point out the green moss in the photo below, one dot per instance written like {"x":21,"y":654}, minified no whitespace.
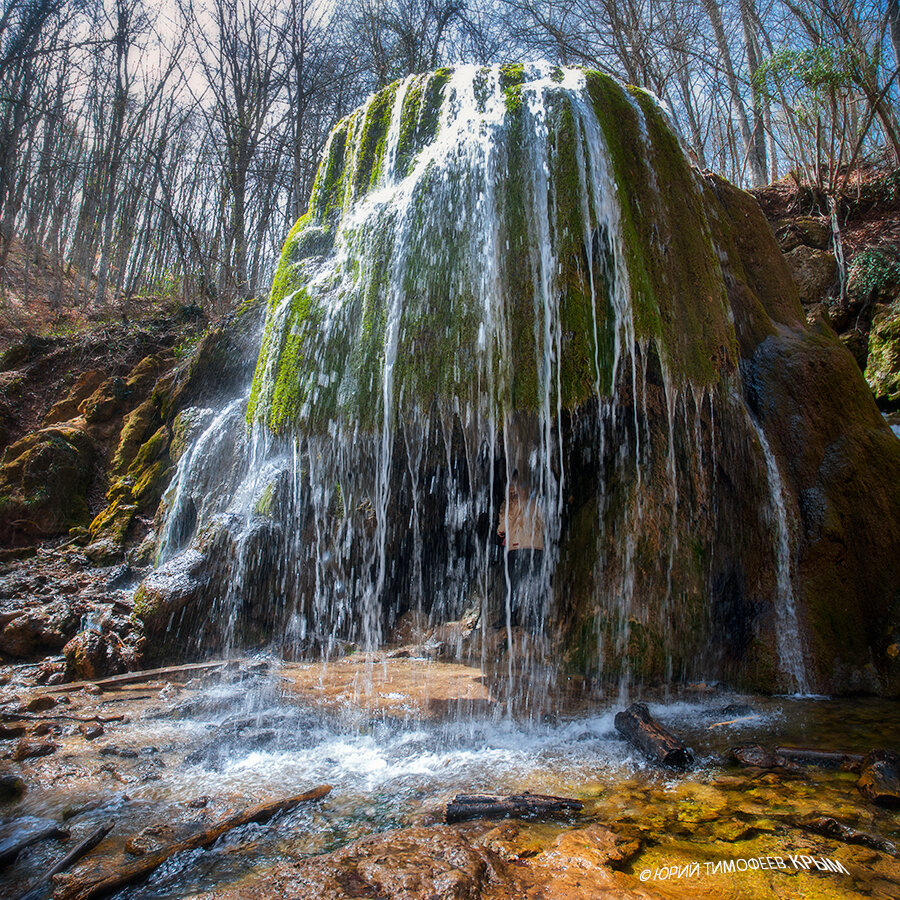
{"x":511,"y":74}
{"x":439,"y":321}
{"x":883,"y":366}
{"x":150,"y":450}
{"x":369,"y":157}
{"x":677,"y":291}
{"x":113,"y":522}
{"x":328,"y":189}
{"x":151,"y":485}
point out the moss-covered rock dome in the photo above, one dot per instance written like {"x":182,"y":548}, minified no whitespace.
{"x":513,"y":275}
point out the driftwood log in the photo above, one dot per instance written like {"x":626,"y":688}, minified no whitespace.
{"x":829,"y":827}
{"x":879,"y":777}
{"x":67,"y":861}
{"x":53,"y":717}
{"x":100,"y":885}
{"x":9,"y":850}
{"x":115,"y":681}
{"x":489,"y":806}
{"x":655,"y":742}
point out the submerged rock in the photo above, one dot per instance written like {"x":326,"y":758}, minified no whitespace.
{"x":474,"y":863}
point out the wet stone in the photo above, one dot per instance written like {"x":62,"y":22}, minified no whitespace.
{"x":41,"y":703}
{"x":33,"y":749}
{"x":91,"y":730}
{"x":12,"y":787}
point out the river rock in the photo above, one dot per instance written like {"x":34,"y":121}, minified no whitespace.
{"x":813,"y":271}
{"x":26,"y":749}
{"x":37,"y":629}
{"x":90,"y":731}
{"x":456,"y":863}
{"x":168,"y":597}
{"x":879,"y":778}
{"x":12,"y":787}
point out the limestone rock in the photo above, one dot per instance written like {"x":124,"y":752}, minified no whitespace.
{"x":185,"y":427}
{"x":92,"y":654}
{"x":35,"y":631}
{"x":67,"y":408}
{"x":813,"y":270}
{"x":804,"y":231}
{"x":169,"y":599}
{"x":106,"y":401}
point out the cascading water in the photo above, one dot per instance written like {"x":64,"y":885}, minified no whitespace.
{"x":506,"y":275}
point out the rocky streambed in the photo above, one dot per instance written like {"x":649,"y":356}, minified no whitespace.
{"x":161,"y":758}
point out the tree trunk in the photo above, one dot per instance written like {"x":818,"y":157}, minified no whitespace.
{"x":757,"y":176}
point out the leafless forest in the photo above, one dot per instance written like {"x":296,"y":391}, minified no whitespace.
{"x":155,"y":149}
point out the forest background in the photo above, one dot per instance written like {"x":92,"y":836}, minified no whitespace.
{"x":158,"y":153}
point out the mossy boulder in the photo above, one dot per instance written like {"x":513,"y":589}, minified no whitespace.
{"x":883,"y":363}
{"x":804,"y":231}
{"x":107,"y":401}
{"x":431,"y":251}
{"x":813,"y":270}
{"x":44,"y":482}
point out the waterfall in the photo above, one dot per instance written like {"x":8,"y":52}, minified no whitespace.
{"x":787,"y":632}
{"x":506,"y":278}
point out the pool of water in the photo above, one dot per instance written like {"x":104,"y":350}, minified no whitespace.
{"x":190,"y":755}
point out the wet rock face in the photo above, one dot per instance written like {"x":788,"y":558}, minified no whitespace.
{"x":171,"y":594}
{"x":622,"y":332}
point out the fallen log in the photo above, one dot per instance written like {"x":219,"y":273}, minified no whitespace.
{"x":655,"y":742}
{"x":824,"y":759}
{"x":115,"y":681}
{"x":100,"y":885}
{"x":77,"y":852}
{"x":52,"y":717}
{"x":879,"y":777}
{"x":829,"y":827}
{"x":521,"y":806}
{"x":9,"y":850}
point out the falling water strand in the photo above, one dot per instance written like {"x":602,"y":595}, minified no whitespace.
{"x":787,"y":626}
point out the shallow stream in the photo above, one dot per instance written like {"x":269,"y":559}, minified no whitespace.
{"x":187,"y":755}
